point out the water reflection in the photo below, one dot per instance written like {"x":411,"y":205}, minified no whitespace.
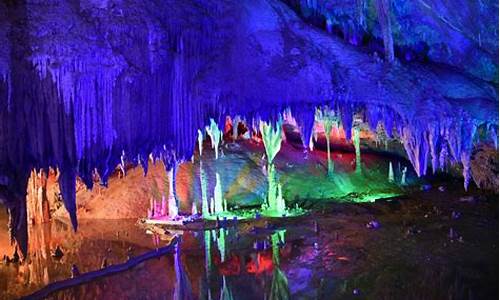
{"x":182,"y":290}
{"x":214,"y":264}
{"x":244,"y":272}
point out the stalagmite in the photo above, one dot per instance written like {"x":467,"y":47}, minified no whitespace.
{"x":164,"y":205}
{"x":280,"y":201}
{"x":205,"y":206}
{"x":38,"y":203}
{"x":173,"y":210}
{"x":329,"y":121}
{"x":272,"y":144}
{"x":215,"y":136}
{"x":218,"y":197}
{"x":194,"y":209}
{"x":200,"y":143}
{"x":357,"y":149}
{"x":151,"y":210}
{"x":391,"y":172}
{"x":403,"y":176}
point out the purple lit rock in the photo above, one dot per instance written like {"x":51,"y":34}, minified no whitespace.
{"x":84,"y":82}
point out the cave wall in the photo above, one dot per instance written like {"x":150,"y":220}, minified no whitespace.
{"x":86,"y":85}
{"x":462,"y":34}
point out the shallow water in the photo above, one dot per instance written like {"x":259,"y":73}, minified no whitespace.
{"x":410,"y":256}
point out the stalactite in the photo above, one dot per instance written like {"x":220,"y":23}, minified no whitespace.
{"x":432,"y":140}
{"x":383,"y":8}
{"x":236,"y":121}
{"x":346,"y":112}
{"x":361,"y":6}
{"x":67,"y":184}
{"x":305,"y":119}
{"x":493,"y":134}
{"x":142,"y":159}
{"x":416,"y":148}
{"x":14,"y":198}
{"x":468,"y":132}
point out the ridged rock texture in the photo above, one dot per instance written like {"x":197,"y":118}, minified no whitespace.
{"x":460,"y":33}
{"x":86,"y":84}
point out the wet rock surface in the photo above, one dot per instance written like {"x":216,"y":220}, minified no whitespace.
{"x":484,"y":167}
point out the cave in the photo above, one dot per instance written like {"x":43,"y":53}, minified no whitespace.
{"x":249,"y":149}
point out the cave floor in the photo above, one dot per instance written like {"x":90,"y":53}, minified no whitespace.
{"x":418,"y":251}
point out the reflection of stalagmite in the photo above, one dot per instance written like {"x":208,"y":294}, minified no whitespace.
{"x":225,"y":293}
{"x":208,"y":260}
{"x":182,"y":289}
{"x":279,"y":284}
{"x":208,"y":255}
{"x":78,"y":279}
{"x":221,"y":244}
